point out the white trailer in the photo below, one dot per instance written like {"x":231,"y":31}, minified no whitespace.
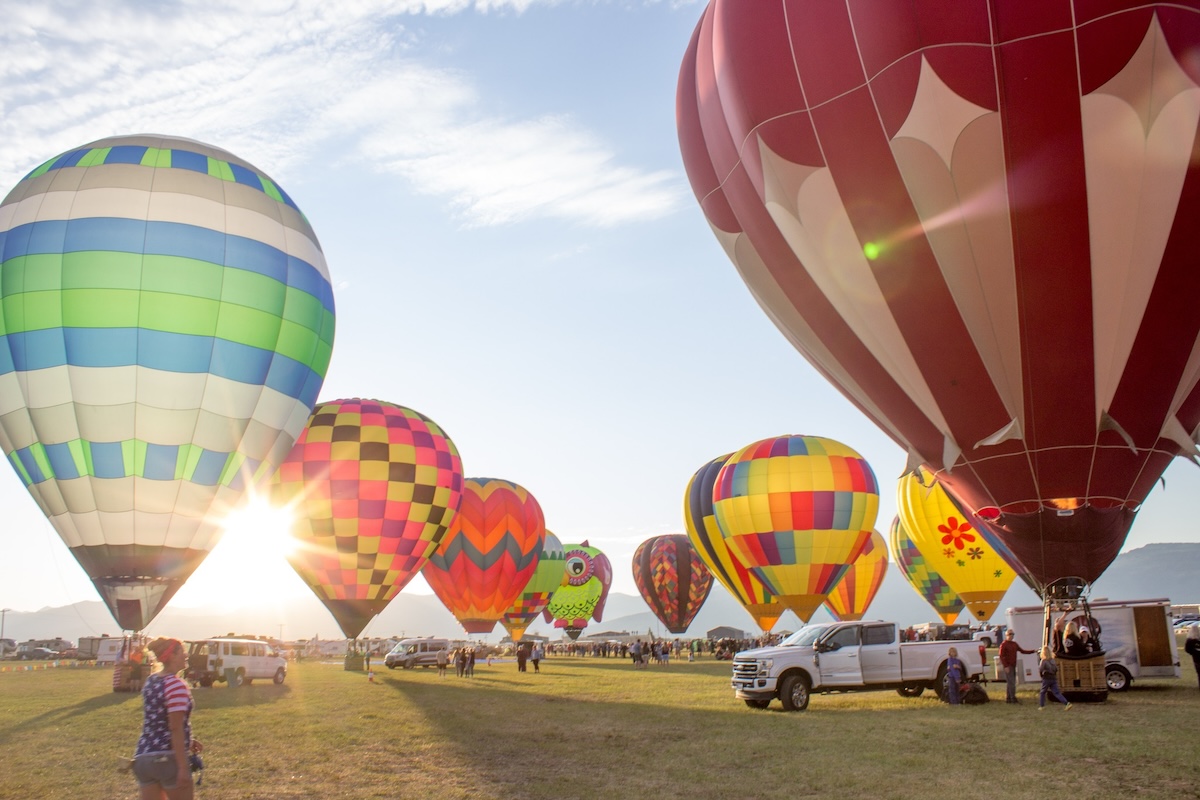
{"x":1136,"y":637}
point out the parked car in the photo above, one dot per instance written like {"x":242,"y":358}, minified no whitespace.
{"x":37,"y":654}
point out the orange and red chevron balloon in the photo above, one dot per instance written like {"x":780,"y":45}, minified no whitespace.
{"x":796,"y":510}
{"x":489,"y":554}
{"x":851,"y":598}
{"x":671,"y":579}
{"x":374,"y":487}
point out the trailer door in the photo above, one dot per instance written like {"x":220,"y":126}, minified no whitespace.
{"x":1154,"y":647}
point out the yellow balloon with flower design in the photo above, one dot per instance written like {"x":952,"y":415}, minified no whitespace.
{"x":965,"y":554}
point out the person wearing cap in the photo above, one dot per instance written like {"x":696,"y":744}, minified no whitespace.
{"x":161,"y":762}
{"x":1008,"y":659}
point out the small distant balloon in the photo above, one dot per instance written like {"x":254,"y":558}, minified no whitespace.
{"x":854,"y":593}
{"x":671,"y":579}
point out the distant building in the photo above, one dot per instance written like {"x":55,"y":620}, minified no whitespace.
{"x":726,"y":632}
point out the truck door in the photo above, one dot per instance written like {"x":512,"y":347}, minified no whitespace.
{"x":879,"y":657}
{"x":839,"y":658}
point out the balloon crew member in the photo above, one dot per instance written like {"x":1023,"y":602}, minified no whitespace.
{"x":162,"y":762}
{"x":1008,"y":659}
{"x":955,"y":672}
{"x":1192,"y":647}
{"x":1048,"y":670}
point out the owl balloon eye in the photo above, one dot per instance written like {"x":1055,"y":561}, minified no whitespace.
{"x":579,"y":568}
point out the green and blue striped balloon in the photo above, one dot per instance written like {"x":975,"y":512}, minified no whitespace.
{"x":166,"y":322}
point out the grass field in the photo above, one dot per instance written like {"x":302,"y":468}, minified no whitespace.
{"x":588,"y":728}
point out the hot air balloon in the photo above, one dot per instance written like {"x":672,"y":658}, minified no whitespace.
{"x":921,"y":576}
{"x":166,"y":321}
{"x":489,"y":554}
{"x":701,"y":523}
{"x":954,"y":542}
{"x":796,"y":510}
{"x":373,"y":487}
{"x":979,"y":226}
{"x":583,"y":590}
{"x":533,"y":598}
{"x":672,"y":579}
{"x":853,"y":594}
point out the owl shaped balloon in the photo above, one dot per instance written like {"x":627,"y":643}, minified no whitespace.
{"x":584,"y":589}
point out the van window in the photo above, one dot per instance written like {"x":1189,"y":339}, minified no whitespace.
{"x":240,"y":648}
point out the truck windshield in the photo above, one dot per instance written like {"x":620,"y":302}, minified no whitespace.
{"x":804,"y":637}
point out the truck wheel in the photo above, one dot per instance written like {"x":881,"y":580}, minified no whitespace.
{"x":280,"y":674}
{"x":912,"y":690}
{"x":759,"y":704}
{"x":942,"y":685}
{"x":794,"y":693}
{"x":986,"y":641}
{"x":1117,"y":678}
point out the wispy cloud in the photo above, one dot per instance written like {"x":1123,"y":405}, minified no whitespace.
{"x":284,"y":82}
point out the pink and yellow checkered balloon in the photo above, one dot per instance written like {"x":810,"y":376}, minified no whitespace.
{"x":797,"y":510}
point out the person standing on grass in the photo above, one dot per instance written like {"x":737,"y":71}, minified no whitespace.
{"x":161,"y":762}
{"x":536,"y":655}
{"x":955,"y":671}
{"x":1008,"y":659}
{"x":1192,"y":647}
{"x":1048,"y":669}
{"x":441,"y":662}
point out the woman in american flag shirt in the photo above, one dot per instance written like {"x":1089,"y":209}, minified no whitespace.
{"x":161,"y":762}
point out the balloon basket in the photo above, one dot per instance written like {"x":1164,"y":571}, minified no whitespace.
{"x":354,"y":662}
{"x":1083,"y":679}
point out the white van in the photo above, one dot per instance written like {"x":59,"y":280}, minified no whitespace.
{"x":236,"y":661}
{"x":411,"y":653}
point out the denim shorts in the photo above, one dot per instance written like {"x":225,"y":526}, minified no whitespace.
{"x":155,"y":768}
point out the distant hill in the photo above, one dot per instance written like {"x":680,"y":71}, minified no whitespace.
{"x":1156,"y":570}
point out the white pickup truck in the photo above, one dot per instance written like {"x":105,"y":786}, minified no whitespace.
{"x":845,"y":657}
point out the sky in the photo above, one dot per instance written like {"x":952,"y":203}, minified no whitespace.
{"x":513,"y":244}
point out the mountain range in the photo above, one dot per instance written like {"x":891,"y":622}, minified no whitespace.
{"x":1156,"y":570}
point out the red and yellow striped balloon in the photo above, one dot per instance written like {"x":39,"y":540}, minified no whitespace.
{"x":851,"y":598}
{"x":797,"y":510}
{"x":373,"y":486}
{"x":489,"y":554}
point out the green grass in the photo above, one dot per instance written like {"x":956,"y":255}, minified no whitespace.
{"x":596,"y":728}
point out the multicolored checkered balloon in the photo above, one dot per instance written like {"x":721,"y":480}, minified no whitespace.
{"x":672,"y":579}
{"x":374,"y":487}
{"x":924,"y":579}
{"x":701,"y":523}
{"x":796,"y":510}
{"x":166,"y":321}
{"x":489,"y":554}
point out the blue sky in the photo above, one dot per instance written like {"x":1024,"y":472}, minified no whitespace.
{"x":514,"y":248}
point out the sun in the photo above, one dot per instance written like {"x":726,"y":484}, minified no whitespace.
{"x":251,"y":556}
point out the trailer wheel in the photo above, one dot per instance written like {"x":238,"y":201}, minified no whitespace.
{"x":794,"y":692}
{"x":1117,"y":678}
{"x":912,"y":690}
{"x":759,"y":704}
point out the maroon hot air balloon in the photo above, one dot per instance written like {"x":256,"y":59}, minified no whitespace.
{"x":977,"y":219}
{"x":672,"y":579}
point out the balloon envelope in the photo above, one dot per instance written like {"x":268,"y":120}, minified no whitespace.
{"x":166,"y":321}
{"x":671,"y":579}
{"x":489,"y":554}
{"x":373,"y":487}
{"x":705,"y":535}
{"x":921,"y":576}
{"x":583,"y":590}
{"x":853,"y":594}
{"x":533,"y":598}
{"x":797,"y":510}
{"x":979,"y":226}
{"x":954,"y":542}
